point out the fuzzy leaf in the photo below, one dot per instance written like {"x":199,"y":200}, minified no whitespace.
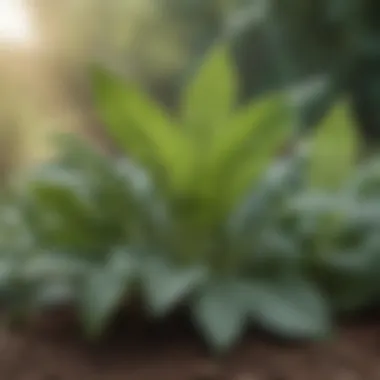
{"x":221,"y":313}
{"x":113,"y":199}
{"x":151,"y":207}
{"x":53,"y":266}
{"x":353,"y":275}
{"x":210,"y":96}
{"x":62,"y":190}
{"x":334,"y":149}
{"x":292,"y":308}
{"x":166,"y":285}
{"x":60,"y":208}
{"x":103,"y":290}
{"x":318,"y":203}
{"x":8,"y":269}
{"x":366,"y":182}
{"x":15,"y":234}
{"x":264,"y":200}
{"x":54,"y":293}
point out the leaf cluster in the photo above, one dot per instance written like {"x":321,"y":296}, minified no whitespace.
{"x":204,"y":211}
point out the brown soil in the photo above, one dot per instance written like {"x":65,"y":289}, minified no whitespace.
{"x":144,"y":352}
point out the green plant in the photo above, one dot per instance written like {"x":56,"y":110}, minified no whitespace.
{"x":206,"y":161}
{"x":336,"y":215}
{"x":325,"y":48}
{"x":203,"y":168}
{"x":202,"y":212}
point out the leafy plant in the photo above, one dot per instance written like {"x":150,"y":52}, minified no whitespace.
{"x":335,"y":227}
{"x":165,"y":210}
{"x":207,"y":159}
{"x":202,"y":211}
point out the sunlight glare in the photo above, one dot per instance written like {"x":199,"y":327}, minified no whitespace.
{"x":16,"y":27}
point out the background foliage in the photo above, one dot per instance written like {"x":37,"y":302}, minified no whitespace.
{"x":314,"y":50}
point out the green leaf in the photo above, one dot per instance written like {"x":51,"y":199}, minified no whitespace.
{"x":249,"y":143}
{"x":49,"y":265}
{"x":62,"y":190}
{"x":141,"y":127}
{"x":334,"y":149}
{"x":166,"y":286}
{"x":15,"y":234}
{"x":210,"y":97}
{"x":60,"y":208}
{"x":103,"y":291}
{"x":265,"y":199}
{"x":113,"y":199}
{"x":366,"y":182}
{"x":317,"y":203}
{"x":221,"y":313}
{"x":292,"y":307}
{"x":353,"y":274}
{"x":54,"y":293}
{"x":8,"y":271}
{"x":78,"y":153}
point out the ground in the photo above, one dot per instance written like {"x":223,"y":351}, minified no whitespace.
{"x":49,"y":351}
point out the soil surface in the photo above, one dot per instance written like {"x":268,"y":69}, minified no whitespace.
{"x":54,"y":350}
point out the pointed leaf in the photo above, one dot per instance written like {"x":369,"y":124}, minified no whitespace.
{"x":140,"y":126}
{"x":265,"y":198}
{"x":293,"y":308}
{"x":246,"y":146}
{"x":166,"y":285}
{"x":54,"y":293}
{"x":334,"y":149}
{"x":62,"y":190}
{"x":210,"y":96}
{"x":221,"y":313}
{"x":366,"y":182}
{"x":50,"y":265}
{"x":113,"y":199}
{"x":103,"y":291}
{"x":60,"y":208}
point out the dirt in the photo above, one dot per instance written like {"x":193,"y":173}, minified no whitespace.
{"x":55,"y":350}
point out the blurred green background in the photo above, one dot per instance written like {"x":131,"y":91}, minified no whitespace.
{"x":316,"y":49}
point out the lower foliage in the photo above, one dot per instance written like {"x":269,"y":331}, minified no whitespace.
{"x":90,"y":231}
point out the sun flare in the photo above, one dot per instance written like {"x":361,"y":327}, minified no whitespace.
{"x":16,"y":24}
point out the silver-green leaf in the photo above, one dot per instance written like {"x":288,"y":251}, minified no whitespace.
{"x":292,"y":307}
{"x":221,"y":314}
{"x":166,"y":285}
{"x":103,"y":291}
